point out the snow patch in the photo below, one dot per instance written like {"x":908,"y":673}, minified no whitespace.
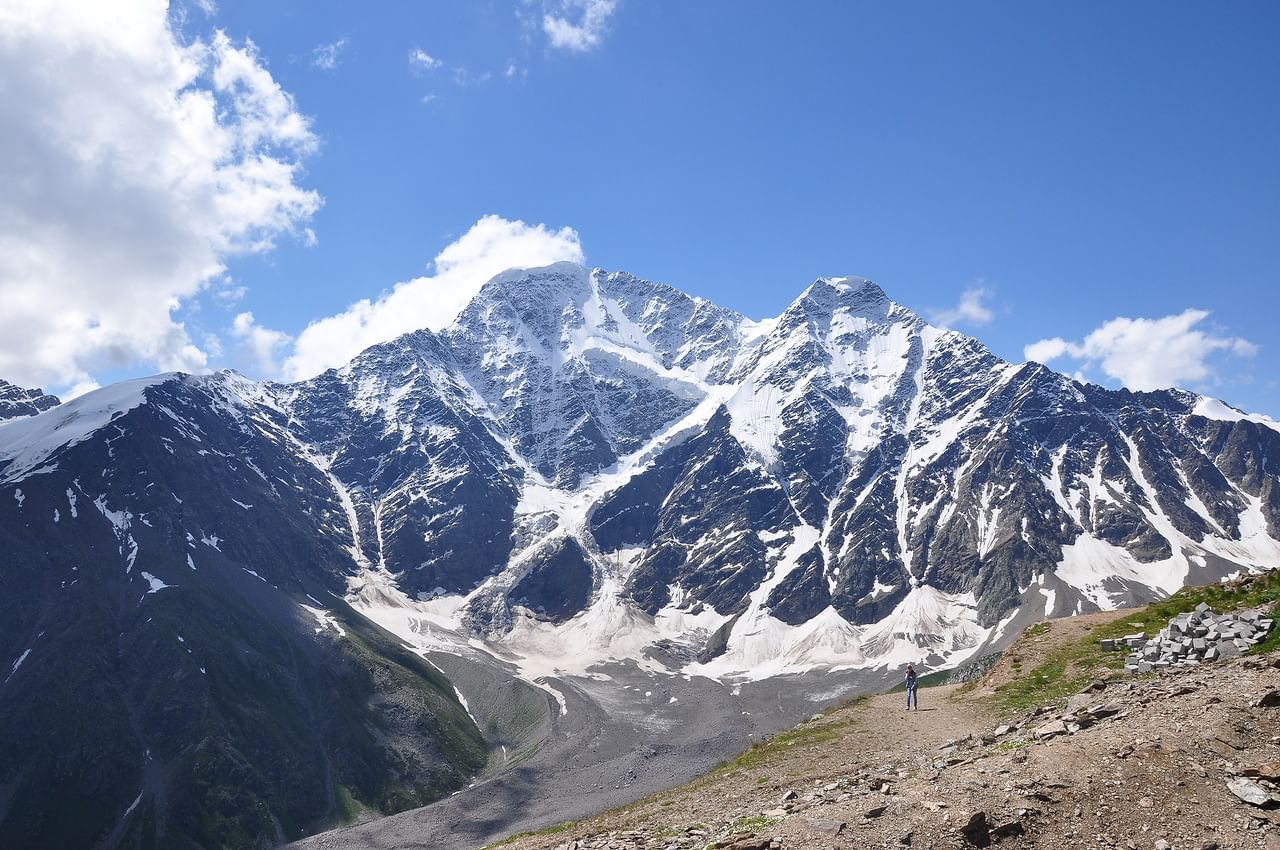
{"x":29,"y":441}
{"x":16,"y":665}
{"x":156,"y":584}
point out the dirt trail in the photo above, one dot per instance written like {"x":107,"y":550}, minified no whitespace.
{"x":891,"y":733}
{"x":1134,"y":763}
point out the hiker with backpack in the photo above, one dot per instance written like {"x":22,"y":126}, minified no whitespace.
{"x":911,"y":688}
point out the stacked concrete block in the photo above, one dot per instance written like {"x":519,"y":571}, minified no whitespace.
{"x":1191,"y":638}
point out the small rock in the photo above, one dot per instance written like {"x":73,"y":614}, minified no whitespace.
{"x":977,"y":831}
{"x":1268,"y":700}
{"x":1249,"y":791}
{"x":1269,"y":771}
{"x":875,"y":812}
{"x":827,"y":827}
{"x":1007,"y":830}
{"x":1050,"y":730}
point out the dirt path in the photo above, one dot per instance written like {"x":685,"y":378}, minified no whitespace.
{"x":894,"y":734}
{"x":865,"y":755}
{"x":1136,"y":763}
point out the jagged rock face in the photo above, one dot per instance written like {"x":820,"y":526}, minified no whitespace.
{"x":432,"y":490}
{"x":581,"y":368}
{"x":16,"y":401}
{"x":697,"y":514}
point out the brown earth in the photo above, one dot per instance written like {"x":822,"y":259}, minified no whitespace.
{"x":1031,"y":647}
{"x":1149,"y":769}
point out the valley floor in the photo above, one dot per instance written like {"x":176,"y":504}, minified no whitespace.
{"x":1053,"y":748}
{"x":1153,"y":774}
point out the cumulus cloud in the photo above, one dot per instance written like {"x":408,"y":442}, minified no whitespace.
{"x":134,"y":165}
{"x":492,"y":245}
{"x":972,"y":309}
{"x":1147,"y":354}
{"x":263,"y":345}
{"x":327,"y":56}
{"x":421,"y":59}
{"x":578,"y":25}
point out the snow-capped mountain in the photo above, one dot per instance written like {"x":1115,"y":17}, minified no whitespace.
{"x":18,"y":401}
{"x":584,"y":466}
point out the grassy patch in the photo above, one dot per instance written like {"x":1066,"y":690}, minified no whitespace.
{"x":754,"y":823}
{"x":348,"y":806}
{"x":1067,"y":668}
{"x":765,"y":750}
{"x":554,"y":829}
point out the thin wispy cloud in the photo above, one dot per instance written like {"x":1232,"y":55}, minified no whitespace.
{"x":1148,"y":354}
{"x":422,"y":60}
{"x":577,"y":25}
{"x":465,"y":77}
{"x":327,"y":57}
{"x":972,"y":309}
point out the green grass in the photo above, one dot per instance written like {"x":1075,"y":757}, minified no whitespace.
{"x":554,"y":829}
{"x":1067,"y":668}
{"x":753,"y":823}
{"x":349,"y":807}
{"x":765,"y":750}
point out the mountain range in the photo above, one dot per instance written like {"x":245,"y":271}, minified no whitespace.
{"x":220,"y":594}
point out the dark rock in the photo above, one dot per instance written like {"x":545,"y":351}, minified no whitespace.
{"x":977,"y":831}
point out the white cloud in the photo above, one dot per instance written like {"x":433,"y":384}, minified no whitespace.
{"x":133,"y":165}
{"x":263,"y":344}
{"x":578,"y":25}
{"x":1147,"y":354}
{"x":419,"y":58}
{"x":492,"y":245}
{"x":971,"y":309}
{"x":326,"y":56}
{"x":1046,"y":350}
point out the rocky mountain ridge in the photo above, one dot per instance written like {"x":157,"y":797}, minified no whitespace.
{"x":584,"y":469}
{"x":16,"y":401}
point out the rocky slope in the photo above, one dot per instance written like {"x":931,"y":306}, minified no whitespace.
{"x":1185,"y":759}
{"x":171,"y":678}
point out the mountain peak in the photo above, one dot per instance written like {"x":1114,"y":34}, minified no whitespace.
{"x":16,"y":401}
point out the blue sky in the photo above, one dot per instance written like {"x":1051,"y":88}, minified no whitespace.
{"x":1065,"y":164}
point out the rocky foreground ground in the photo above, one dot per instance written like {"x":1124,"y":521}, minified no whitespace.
{"x":1182,"y":758}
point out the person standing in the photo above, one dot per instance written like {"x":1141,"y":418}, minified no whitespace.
{"x":911,"y":688}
